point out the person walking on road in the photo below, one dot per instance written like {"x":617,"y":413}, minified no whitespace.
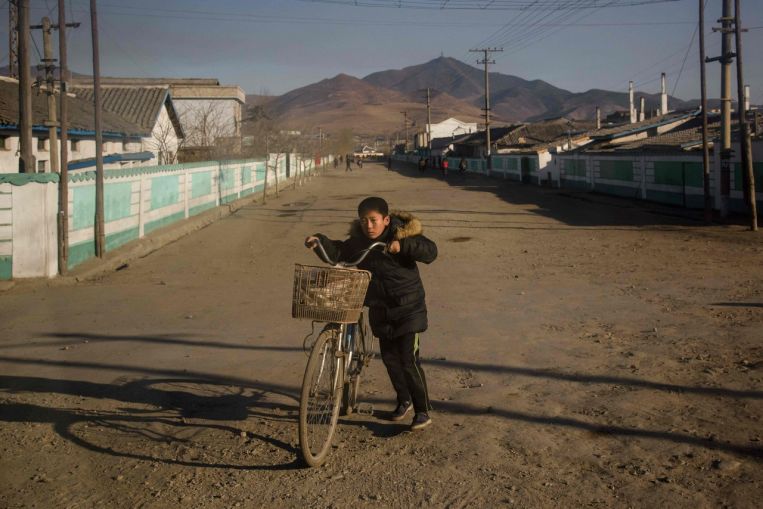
{"x":396,"y":298}
{"x":348,"y":161}
{"x":444,"y":167}
{"x":462,"y":166}
{"x":422,"y":164}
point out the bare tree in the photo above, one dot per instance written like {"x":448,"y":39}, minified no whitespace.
{"x":209,"y":131}
{"x":165,"y":142}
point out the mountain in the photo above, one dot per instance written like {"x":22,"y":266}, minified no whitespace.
{"x":348,"y":102}
{"x":512,"y":98}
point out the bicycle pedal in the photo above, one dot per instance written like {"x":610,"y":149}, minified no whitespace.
{"x":364,"y":409}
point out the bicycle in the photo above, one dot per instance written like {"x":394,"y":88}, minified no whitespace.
{"x":333,"y":295}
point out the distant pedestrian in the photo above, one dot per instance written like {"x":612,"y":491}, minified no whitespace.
{"x":444,"y":166}
{"x":422,"y":164}
{"x":336,"y":163}
{"x":389,"y":163}
{"x":360,"y":162}
{"x":462,"y":166}
{"x":348,"y":161}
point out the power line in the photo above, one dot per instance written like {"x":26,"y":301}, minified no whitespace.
{"x":472,"y":5}
{"x":688,"y":49}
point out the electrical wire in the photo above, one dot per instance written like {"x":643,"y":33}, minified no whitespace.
{"x":688,"y":49}
{"x":472,"y":5}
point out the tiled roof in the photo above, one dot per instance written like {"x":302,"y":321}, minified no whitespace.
{"x":139,"y":105}
{"x":81,"y":114}
{"x":544,"y":133}
{"x":687,"y":136}
{"x":622,"y":129}
{"x":477,"y":138}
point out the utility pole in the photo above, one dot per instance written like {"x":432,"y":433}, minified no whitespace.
{"x":487,"y":62}
{"x":726,"y":58}
{"x":100,"y":233}
{"x":13,"y":38}
{"x":405,"y":126}
{"x":63,"y":185}
{"x":744,"y":128}
{"x":26,"y":159}
{"x":48,"y":61}
{"x":705,"y":148}
{"x":429,"y":124}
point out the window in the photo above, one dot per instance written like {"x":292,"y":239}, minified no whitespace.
{"x":41,"y":143}
{"x":125,"y":145}
{"x":75,"y":145}
{"x":5,"y":143}
{"x":41,"y":166}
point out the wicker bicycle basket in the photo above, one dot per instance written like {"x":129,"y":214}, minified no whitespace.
{"x":329,"y":294}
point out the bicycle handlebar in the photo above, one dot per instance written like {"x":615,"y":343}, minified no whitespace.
{"x":325,"y":257}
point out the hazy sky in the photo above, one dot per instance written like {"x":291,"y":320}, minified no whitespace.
{"x":279,"y":45}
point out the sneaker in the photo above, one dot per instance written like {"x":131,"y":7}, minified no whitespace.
{"x":420,"y":421}
{"x":401,"y":411}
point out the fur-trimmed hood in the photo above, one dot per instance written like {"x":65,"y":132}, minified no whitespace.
{"x":402,"y":224}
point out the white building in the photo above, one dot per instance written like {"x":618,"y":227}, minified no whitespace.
{"x":206,"y":110}
{"x":449,"y":128}
{"x":149,"y":107}
{"x":122,"y":140}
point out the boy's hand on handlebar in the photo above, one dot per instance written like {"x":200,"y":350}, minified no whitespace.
{"x":393,"y":247}
{"x":311,"y":242}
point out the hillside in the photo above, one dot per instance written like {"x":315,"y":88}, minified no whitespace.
{"x":512,"y":98}
{"x":348,"y":102}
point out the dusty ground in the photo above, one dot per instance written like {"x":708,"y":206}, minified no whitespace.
{"x":583,"y":352}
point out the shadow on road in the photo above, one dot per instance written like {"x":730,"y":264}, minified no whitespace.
{"x":568,"y":207}
{"x":182,"y":409}
{"x":207,"y":397}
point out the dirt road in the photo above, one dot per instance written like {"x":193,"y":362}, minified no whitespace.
{"x":583,"y":352}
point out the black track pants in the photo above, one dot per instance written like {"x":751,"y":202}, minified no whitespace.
{"x":401,"y":358}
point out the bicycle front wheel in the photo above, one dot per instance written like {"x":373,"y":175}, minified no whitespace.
{"x":320,"y":398}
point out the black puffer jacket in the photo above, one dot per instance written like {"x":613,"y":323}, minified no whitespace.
{"x":395,"y":297}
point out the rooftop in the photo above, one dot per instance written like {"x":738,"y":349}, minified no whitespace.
{"x":81,"y":115}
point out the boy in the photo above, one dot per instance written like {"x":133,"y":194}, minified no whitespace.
{"x":395,"y":298}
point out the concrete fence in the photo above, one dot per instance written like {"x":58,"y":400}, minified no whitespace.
{"x":669,"y":178}
{"x":137,"y":201}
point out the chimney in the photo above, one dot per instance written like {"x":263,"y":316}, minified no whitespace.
{"x":663,"y":96}
{"x":747,"y":98}
{"x":632,"y":109}
{"x":642,"y":110}
{"x":598,"y":118}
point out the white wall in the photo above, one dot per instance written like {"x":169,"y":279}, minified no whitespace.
{"x":33,"y":229}
{"x":225,"y":115}
{"x":9,"y":159}
{"x":163,"y":138}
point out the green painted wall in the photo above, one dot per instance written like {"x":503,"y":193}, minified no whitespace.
{"x":117,"y":198}
{"x":164,"y":221}
{"x":673,"y":173}
{"x":78,"y":253}
{"x":114,"y":240}
{"x":616,"y":170}
{"x":84,"y":207}
{"x":227,"y":179}
{"x":246,"y":175}
{"x":201,"y":184}
{"x":574,"y":167}
{"x":165,"y":191}
{"x":6,"y":267}
{"x":201,"y":208}
{"x":757,"y":170}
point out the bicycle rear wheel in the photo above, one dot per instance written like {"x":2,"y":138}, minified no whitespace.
{"x":320,"y":398}
{"x":360,"y":358}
